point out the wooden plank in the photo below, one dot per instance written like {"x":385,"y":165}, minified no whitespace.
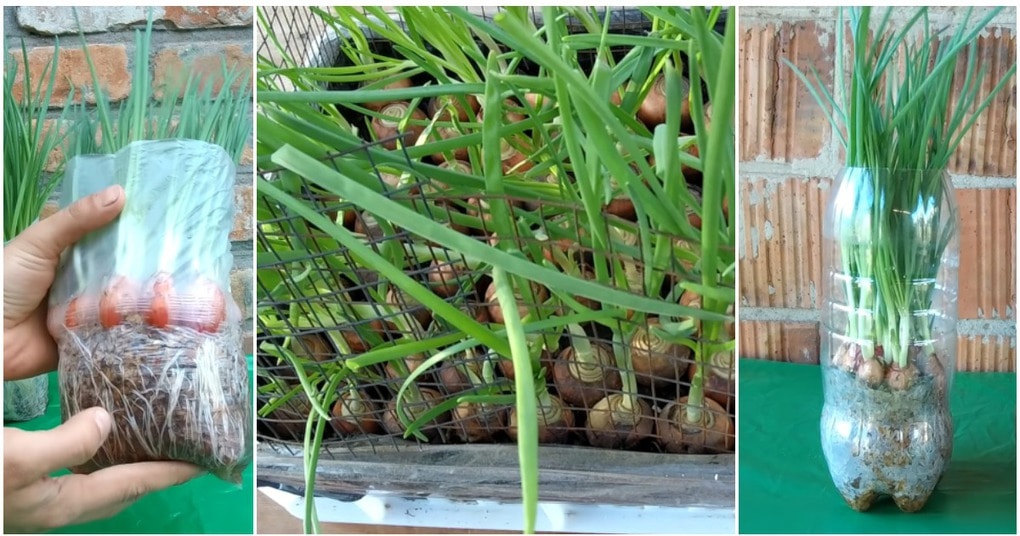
{"x":468,"y":472}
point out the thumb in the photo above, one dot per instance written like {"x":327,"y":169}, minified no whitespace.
{"x":48,"y":238}
{"x":72,"y":443}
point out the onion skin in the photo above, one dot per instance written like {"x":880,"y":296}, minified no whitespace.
{"x":608,"y":425}
{"x":118,"y":299}
{"x":391,"y":422}
{"x":412,"y":362}
{"x":663,"y":366}
{"x":622,"y":207}
{"x":448,"y":133}
{"x":375,"y":106}
{"x":496,"y":310}
{"x":159,"y":306}
{"x":408,"y":306}
{"x":577,"y":392}
{"x":510,"y":115}
{"x":442,"y":105}
{"x":679,"y":436}
{"x":548,"y":432}
{"x":475,"y":423}
{"x":652,"y":111}
{"x":386,"y":128}
{"x":71,"y":316}
{"x":312,"y":346}
{"x":357,"y":344}
{"x":720,"y":385}
{"x":514,"y":161}
{"x":545,"y":360}
{"x":444,"y":277}
{"x":359,"y":422}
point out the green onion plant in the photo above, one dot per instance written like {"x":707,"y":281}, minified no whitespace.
{"x":895,"y":117}
{"x":593,"y":149}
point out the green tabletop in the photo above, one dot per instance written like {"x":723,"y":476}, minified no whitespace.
{"x":784,"y":482}
{"x":202,"y":506}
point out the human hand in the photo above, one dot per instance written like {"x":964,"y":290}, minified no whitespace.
{"x":34,"y":501}
{"x":30,"y":265}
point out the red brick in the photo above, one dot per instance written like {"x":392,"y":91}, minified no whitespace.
{"x":73,"y":71}
{"x":781,"y":241}
{"x":989,"y":149}
{"x":992,"y":353}
{"x":207,"y":16}
{"x":779,"y":118}
{"x":795,"y":342}
{"x":172,"y":65}
{"x":243,"y":216}
{"x":56,"y":156}
{"x":987,"y":253}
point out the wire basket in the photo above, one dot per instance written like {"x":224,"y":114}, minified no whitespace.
{"x":321,"y":310}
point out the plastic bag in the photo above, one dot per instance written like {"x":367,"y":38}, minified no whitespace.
{"x":142,"y":312}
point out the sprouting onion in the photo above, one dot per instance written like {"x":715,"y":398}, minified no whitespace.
{"x":900,"y":135}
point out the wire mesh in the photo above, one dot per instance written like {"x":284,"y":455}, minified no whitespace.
{"x":321,"y":309}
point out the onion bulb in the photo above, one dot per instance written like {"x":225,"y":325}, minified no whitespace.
{"x":712,"y":433}
{"x":583,"y":382}
{"x":617,"y":421}
{"x":414,"y":409}
{"x":653,"y":109}
{"x":388,"y":125}
{"x":375,"y":106}
{"x":442,"y":105}
{"x":539,"y":292}
{"x":514,"y":161}
{"x":656,"y":360}
{"x":355,"y":413}
{"x":554,"y":421}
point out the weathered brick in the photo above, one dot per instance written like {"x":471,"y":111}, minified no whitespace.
{"x":989,"y":353}
{"x":989,"y":149}
{"x":247,"y":156}
{"x":795,"y":342}
{"x":241,"y":288}
{"x":172,"y":65}
{"x":49,"y":20}
{"x":248,"y":342}
{"x":987,"y":253}
{"x":779,"y":118}
{"x":208,"y":16}
{"x":49,"y":209}
{"x":243,"y":216}
{"x":73,"y":72}
{"x":781,"y":240}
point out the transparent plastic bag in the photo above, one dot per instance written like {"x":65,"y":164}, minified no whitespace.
{"x":143,"y":315}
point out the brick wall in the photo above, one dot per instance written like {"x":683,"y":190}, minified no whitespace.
{"x":788,"y":158}
{"x":196,"y":36}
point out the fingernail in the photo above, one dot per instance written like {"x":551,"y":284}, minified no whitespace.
{"x":103,"y":419}
{"x":109,"y":196}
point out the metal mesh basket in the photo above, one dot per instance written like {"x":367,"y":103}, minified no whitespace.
{"x":321,"y":308}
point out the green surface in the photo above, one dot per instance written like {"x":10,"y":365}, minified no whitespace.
{"x":202,"y":506}
{"x":785,"y":485}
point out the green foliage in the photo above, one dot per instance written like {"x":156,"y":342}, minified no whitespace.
{"x":907,"y":99}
